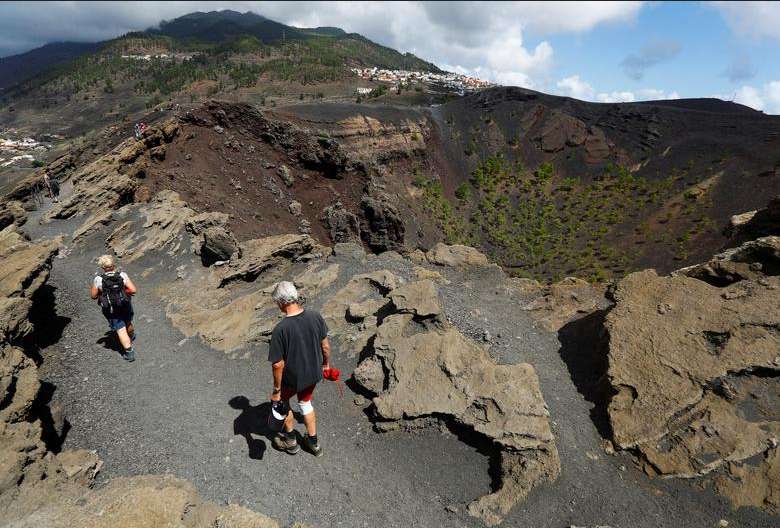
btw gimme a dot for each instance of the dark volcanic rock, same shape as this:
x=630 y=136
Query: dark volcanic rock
x=384 y=228
x=342 y=225
x=218 y=244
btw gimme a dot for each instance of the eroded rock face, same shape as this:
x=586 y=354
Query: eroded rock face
x=111 y=181
x=383 y=228
x=696 y=370
x=163 y=227
x=559 y=130
x=555 y=305
x=456 y=256
x=756 y=224
x=12 y=212
x=134 y=502
x=25 y=265
x=422 y=371
x=230 y=306
x=342 y=225
x=261 y=254
x=219 y=244
x=752 y=260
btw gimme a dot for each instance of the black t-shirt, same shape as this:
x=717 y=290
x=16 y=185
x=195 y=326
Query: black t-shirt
x=298 y=341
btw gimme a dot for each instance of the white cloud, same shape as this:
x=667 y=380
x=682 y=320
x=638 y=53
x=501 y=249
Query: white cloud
x=765 y=98
x=616 y=97
x=753 y=19
x=772 y=94
x=578 y=88
x=484 y=38
x=749 y=96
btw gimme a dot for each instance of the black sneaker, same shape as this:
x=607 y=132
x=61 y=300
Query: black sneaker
x=312 y=447
x=129 y=355
x=287 y=444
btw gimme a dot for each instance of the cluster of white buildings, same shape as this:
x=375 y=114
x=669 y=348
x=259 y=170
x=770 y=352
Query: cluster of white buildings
x=161 y=56
x=13 y=151
x=455 y=81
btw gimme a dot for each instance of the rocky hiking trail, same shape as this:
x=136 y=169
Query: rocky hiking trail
x=180 y=409
x=473 y=398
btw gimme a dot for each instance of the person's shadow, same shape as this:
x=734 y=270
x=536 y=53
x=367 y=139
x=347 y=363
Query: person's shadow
x=252 y=421
x=110 y=341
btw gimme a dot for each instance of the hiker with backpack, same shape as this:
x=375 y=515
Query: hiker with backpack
x=113 y=290
x=300 y=355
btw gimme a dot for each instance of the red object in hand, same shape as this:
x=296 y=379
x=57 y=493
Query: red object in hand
x=333 y=374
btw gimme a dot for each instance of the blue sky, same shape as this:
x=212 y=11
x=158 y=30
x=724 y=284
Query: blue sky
x=600 y=51
x=704 y=55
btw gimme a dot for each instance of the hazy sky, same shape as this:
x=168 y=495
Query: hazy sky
x=600 y=51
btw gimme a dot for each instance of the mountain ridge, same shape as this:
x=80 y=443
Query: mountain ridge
x=224 y=27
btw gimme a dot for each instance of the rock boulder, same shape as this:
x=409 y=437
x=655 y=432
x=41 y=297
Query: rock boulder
x=456 y=256
x=694 y=368
x=421 y=371
x=218 y=244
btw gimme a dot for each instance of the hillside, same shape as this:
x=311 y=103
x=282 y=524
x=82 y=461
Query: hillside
x=223 y=45
x=17 y=68
x=554 y=186
x=547 y=186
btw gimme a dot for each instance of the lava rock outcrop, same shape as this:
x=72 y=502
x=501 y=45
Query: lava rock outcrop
x=695 y=368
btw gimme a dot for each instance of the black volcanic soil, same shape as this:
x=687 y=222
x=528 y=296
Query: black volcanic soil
x=171 y=411
x=730 y=150
x=234 y=172
x=701 y=137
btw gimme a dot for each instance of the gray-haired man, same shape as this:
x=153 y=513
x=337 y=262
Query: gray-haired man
x=299 y=352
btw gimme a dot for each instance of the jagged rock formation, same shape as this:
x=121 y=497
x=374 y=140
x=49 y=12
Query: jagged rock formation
x=756 y=224
x=752 y=260
x=25 y=264
x=229 y=306
x=694 y=361
x=343 y=226
x=165 y=219
x=113 y=180
x=12 y=212
x=422 y=371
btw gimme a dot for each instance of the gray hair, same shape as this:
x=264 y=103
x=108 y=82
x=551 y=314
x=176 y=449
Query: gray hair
x=106 y=262
x=285 y=293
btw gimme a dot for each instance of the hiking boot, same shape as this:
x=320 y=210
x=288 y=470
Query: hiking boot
x=129 y=355
x=312 y=446
x=287 y=444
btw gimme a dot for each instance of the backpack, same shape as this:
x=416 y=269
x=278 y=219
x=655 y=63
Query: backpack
x=113 y=298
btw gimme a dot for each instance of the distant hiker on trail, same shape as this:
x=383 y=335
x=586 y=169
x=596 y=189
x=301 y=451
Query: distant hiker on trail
x=139 y=130
x=53 y=186
x=113 y=290
x=299 y=353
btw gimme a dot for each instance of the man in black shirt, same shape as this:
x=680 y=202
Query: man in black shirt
x=299 y=352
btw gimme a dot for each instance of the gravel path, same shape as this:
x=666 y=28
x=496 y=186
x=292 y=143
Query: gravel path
x=178 y=409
